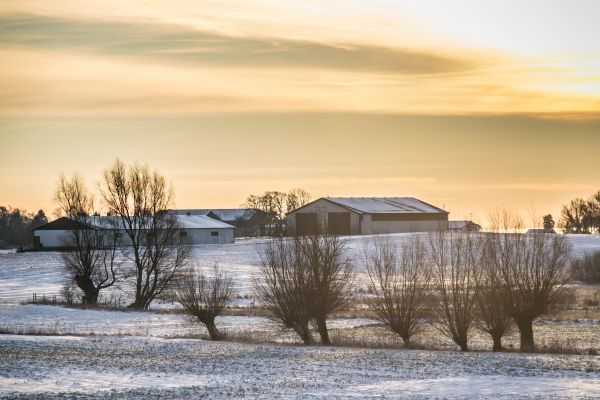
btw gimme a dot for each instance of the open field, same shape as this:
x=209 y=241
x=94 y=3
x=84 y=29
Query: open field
x=22 y=274
x=50 y=351
x=149 y=368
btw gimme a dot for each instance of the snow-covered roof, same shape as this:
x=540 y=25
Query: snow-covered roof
x=200 y=222
x=224 y=214
x=112 y=222
x=373 y=205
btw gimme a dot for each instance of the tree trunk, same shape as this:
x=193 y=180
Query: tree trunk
x=305 y=334
x=213 y=332
x=526 y=333
x=89 y=290
x=323 y=332
x=405 y=338
x=463 y=344
x=497 y=342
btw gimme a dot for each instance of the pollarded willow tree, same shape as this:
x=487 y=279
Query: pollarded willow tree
x=283 y=286
x=400 y=278
x=330 y=275
x=455 y=261
x=531 y=271
x=205 y=297
x=138 y=200
x=91 y=259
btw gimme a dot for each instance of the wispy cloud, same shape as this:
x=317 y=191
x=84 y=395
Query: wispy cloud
x=181 y=44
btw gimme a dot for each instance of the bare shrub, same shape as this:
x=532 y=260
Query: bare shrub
x=457 y=277
x=587 y=268
x=400 y=280
x=204 y=298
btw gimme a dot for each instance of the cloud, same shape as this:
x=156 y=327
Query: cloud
x=181 y=44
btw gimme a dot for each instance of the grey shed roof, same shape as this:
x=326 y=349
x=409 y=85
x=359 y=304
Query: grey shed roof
x=224 y=214
x=374 y=205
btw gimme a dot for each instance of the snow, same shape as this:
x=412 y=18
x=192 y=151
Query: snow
x=125 y=367
x=22 y=274
x=385 y=204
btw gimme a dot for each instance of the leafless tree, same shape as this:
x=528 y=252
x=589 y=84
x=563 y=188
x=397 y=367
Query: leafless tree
x=296 y=198
x=456 y=275
x=138 y=199
x=330 y=276
x=204 y=298
x=92 y=257
x=400 y=278
x=283 y=286
x=530 y=270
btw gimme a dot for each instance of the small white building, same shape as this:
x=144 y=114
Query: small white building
x=201 y=229
x=366 y=216
x=193 y=230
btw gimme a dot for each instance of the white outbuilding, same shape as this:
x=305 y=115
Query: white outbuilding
x=366 y=216
x=193 y=230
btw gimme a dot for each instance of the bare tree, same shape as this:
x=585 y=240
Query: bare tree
x=283 y=286
x=296 y=198
x=456 y=275
x=330 y=276
x=138 y=199
x=400 y=278
x=204 y=298
x=91 y=259
x=530 y=271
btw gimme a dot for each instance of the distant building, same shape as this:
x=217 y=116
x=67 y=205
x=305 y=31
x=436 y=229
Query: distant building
x=464 y=225
x=247 y=221
x=366 y=216
x=533 y=231
x=198 y=229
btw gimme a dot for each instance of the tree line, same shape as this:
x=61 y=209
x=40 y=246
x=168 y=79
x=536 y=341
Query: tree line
x=582 y=216
x=16 y=226
x=455 y=281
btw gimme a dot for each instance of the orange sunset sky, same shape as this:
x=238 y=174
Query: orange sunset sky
x=467 y=105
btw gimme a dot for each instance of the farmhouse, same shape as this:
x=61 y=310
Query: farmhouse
x=366 y=216
x=247 y=221
x=197 y=229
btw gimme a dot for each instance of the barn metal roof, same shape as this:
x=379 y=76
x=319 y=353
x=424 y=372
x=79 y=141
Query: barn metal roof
x=224 y=214
x=374 y=205
x=200 y=222
x=112 y=222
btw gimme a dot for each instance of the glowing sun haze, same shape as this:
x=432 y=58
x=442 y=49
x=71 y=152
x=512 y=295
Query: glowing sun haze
x=465 y=104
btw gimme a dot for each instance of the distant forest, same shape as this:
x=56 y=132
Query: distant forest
x=16 y=226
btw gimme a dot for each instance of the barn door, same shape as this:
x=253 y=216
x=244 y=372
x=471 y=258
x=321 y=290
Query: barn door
x=338 y=223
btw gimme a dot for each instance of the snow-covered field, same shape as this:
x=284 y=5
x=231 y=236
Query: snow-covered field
x=146 y=355
x=150 y=368
x=22 y=274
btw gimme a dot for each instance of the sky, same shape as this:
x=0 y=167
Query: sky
x=468 y=105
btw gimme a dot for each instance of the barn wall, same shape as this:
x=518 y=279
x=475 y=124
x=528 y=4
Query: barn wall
x=203 y=236
x=322 y=208
x=51 y=238
x=370 y=227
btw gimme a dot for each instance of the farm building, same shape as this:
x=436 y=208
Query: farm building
x=247 y=221
x=464 y=225
x=366 y=216
x=197 y=229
